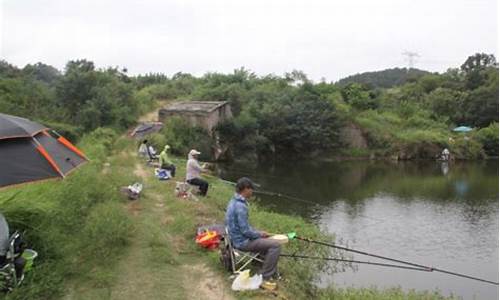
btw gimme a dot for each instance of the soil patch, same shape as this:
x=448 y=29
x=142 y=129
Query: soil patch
x=204 y=284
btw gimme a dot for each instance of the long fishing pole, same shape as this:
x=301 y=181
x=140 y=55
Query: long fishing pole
x=354 y=261
x=275 y=194
x=430 y=269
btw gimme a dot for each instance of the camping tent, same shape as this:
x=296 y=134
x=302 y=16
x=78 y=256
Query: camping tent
x=30 y=151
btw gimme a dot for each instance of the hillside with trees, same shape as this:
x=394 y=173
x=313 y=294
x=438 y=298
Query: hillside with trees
x=274 y=115
x=385 y=78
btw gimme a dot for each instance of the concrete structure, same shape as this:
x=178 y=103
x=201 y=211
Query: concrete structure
x=206 y=114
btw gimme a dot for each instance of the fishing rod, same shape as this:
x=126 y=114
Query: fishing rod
x=354 y=261
x=245 y=172
x=275 y=194
x=430 y=269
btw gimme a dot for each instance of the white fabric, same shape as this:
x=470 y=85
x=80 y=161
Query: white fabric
x=143 y=150
x=4 y=236
x=193 y=152
x=244 y=282
x=193 y=169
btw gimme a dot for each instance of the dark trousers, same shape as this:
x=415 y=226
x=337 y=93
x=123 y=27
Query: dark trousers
x=170 y=168
x=271 y=250
x=19 y=263
x=202 y=184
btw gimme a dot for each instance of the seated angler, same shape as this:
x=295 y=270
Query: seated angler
x=165 y=162
x=246 y=238
x=193 y=170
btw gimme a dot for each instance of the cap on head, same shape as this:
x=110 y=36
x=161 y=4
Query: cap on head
x=243 y=183
x=194 y=152
x=167 y=147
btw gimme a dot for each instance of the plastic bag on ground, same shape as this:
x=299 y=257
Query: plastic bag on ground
x=243 y=282
x=162 y=174
x=135 y=188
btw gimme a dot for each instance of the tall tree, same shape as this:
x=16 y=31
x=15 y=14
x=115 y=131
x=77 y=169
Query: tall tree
x=476 y=67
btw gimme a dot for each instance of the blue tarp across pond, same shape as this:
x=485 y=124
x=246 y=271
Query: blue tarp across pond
x=462 y=129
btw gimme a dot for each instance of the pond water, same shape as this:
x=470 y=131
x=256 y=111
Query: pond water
x=432 y=213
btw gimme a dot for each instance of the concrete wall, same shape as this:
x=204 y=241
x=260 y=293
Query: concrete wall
x=206 y=120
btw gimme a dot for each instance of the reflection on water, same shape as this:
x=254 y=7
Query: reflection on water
x=434 y=213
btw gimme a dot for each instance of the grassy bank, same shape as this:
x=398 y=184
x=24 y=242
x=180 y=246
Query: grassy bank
x=95 y=244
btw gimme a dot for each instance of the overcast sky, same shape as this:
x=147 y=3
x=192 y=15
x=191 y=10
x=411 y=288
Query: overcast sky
x=330 y=39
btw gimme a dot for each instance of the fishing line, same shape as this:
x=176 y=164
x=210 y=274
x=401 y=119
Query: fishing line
x=256 y=175
x=430 y=269
x=354 y=261
x=269 y=193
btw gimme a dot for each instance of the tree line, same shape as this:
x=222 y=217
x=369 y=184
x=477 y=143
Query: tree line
x=407 y=116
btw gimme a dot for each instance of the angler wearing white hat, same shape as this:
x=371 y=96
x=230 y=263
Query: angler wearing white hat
x=193 y=170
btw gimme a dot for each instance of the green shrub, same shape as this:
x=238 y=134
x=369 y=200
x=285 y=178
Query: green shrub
x=145 y=100
x=488 y=136
x=182 y=137
x=157 y=140
x=467 y=148
x=99 y=143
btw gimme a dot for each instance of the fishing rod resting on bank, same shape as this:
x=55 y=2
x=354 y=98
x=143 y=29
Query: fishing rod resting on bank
x=415 y=266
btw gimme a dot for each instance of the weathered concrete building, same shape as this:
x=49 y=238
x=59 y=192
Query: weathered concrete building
x=206 y=114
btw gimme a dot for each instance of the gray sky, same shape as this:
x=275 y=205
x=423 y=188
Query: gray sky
x=330 y=39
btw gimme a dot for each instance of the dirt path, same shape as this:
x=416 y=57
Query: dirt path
x=140 y=274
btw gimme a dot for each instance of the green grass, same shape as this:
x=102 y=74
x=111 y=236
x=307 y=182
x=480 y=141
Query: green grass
x=377 y=294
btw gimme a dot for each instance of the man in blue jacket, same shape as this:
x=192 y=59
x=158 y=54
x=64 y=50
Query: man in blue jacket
x=245 y=237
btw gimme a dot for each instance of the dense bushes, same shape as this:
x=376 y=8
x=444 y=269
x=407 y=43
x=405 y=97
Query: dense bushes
x=182 y=137
x=488 y=136
x=83 y=96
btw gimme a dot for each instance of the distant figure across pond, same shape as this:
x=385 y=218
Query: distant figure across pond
x=445 y=155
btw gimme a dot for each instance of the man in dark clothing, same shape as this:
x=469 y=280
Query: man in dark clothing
x=245 y=237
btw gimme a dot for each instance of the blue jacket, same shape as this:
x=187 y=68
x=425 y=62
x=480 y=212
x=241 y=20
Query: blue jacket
x=237 y=222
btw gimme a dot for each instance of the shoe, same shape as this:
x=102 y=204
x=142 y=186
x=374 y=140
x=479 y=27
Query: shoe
x=269 y=285
x=277 y=276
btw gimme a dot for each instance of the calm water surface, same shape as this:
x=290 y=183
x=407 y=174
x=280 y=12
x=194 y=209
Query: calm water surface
x=432 y=213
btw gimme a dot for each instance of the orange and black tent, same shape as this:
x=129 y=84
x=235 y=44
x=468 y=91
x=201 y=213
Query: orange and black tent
x=30 y=151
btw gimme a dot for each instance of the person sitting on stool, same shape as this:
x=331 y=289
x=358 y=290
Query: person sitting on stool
x=246 y=238
x=165 y=162
x=193 y=170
